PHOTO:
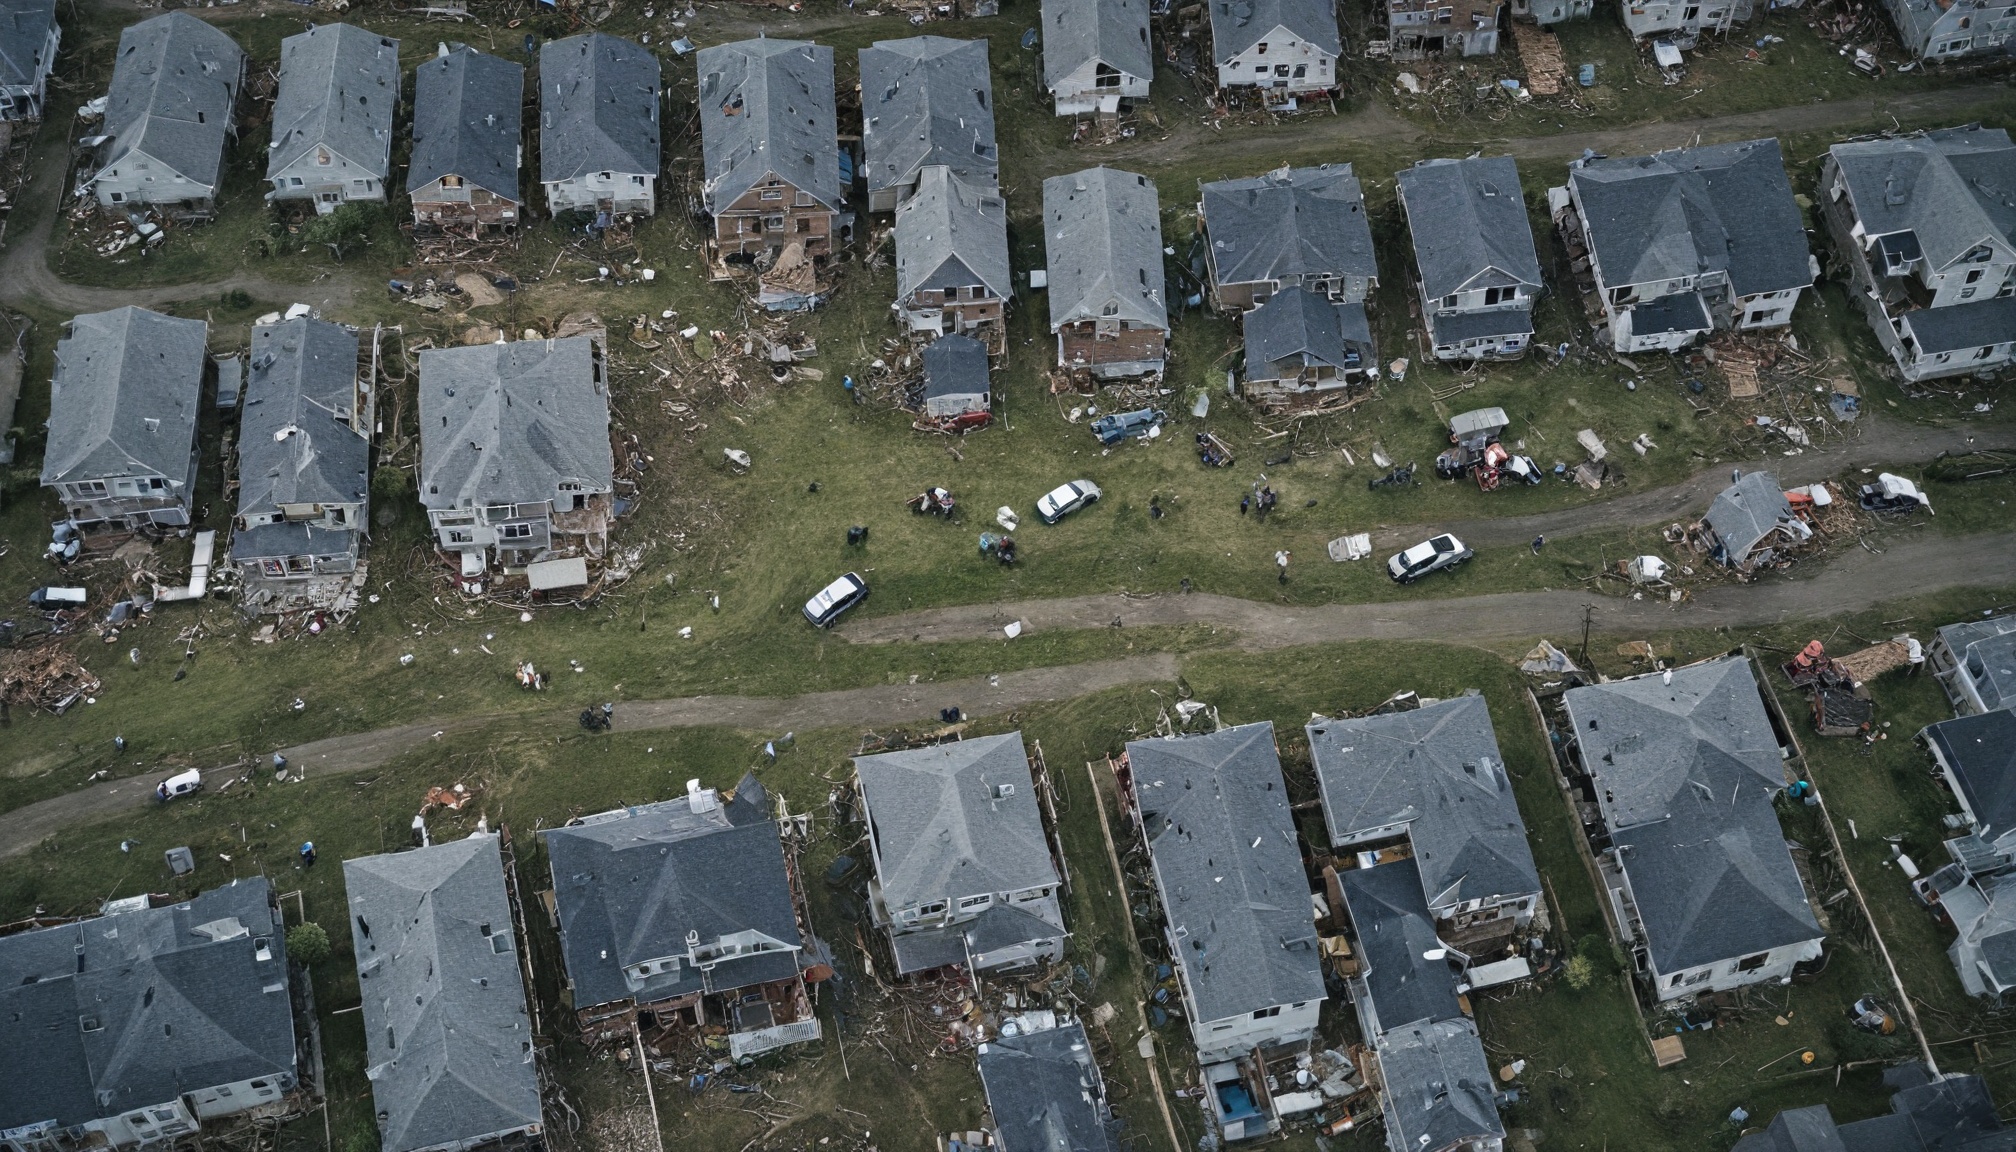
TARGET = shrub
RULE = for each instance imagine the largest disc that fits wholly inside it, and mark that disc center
(344, 230)
(308, 944)
(1579, 972)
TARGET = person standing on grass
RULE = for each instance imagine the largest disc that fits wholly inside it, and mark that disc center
(1245, 502)
(1281, 566)
(1539, 542)
(307, 853)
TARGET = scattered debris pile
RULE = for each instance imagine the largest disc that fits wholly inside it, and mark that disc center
(1837, 688)
(1540, 50)
(45, 677)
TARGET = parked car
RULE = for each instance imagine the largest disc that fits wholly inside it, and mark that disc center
(55, 597)
(1065, 499)
(1118, 426)
(180, 784)
(1431, 555)
(825, 608)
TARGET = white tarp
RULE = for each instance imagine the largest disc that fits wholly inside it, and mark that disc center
(1503, 972)
(1351, 547)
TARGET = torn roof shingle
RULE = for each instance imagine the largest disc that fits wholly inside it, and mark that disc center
(1044, 1091)
(1469, 225)
(955, 820)
(1687, 212)
(951, 234)
(1102, 236)
(1952, 189)
(449, 1042)
(598, 108)
(339, 86)
(766, 108)
(1438, 769)
(174, 84)
(1229, 868)
(927, 100)
(124, 396)
(1080, 32)
(1747, 512)
(509, 423)
(1237, 25)
(296, 445)
(468, 110)
(1291, 222)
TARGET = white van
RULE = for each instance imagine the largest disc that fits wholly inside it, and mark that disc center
(180, 784)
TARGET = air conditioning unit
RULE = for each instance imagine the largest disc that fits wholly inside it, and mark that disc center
(1003, 791)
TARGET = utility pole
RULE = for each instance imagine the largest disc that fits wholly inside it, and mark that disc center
(1587, 611)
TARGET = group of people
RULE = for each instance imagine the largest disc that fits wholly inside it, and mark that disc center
(1261, 502)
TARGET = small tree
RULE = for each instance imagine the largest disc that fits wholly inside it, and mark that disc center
(1579, 972)
(308, 944)
(344, 230)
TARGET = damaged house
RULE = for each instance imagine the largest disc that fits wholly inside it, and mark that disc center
(449, 1045)
(169, 116)
(965, 873)
(151, 1023)
(515, 460)
(1284, 48)
(955, 378)
(123, 401)
(332, 118)
(1291, 228)
(1422, 28)
(952, 271)
(304, 454)
(598, 125)
(1682, 767)
(1935, 1113)
(927, 102)
(1684, 18)
(1948, 30)
(1751, 523)
(468, 142)
(29, 36)
(1473, 248)
(771, 149)
(1976, 662)
(1304, 350)
(1235, 900)
(1096, 55)
(686, 914)
(1044, 1090)
(1102, 238)
(1976, 756)
(1432, 778)
(1686, 242)
(1926, 223)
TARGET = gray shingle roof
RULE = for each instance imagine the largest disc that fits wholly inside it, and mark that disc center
(1951, 1114)
(1469, 223)
(943, 828)
(1229, 868)
(1678, 312)
(1077, 32)
(293, 447)
(632, 887)
(1102, 237)
(24, 32)
(766, 106)
(1456, 327)
(1044, 1091)
(598, 108)
(507, 423)
(927, 100)
(1747, 511)
(142, 1007)
(1289, 222)
(955, 365)
(1237, 25)
(999, 926)
(1963, 327)
(449, 1042)
(1990, 643)
(951, 234)
(1437, 768)
(467, 121)
(174, 83)
(1687, 211)
(1395, 932)
(1952, 189)
(1438, 1086)
(1980, 750)
(126, 389)
(339, 86)
(1796, 1130)
(1304, 325)
(1684, 773)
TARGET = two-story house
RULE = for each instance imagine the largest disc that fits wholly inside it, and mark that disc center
(1096, 55)
(1976, 893)
(304, 457)
(123, 405)
(448, 1043)
(1291, 228)
(771, 149)
(686, 913)
(1433, 778)
(515, 459)
(1683, 242)
(145, 1024)
(1927, 229)
(1931, 30)
(598, 125)
(1698, 882)
(1102, 236)
(29, 37)
(1975, 660)
(1044, 1090)
(332, 118)
(952, 271)
(1419, 28)
(169, 114)
(1473, 248)
(468, 120)
(1305, 350)
(1682, 18)
(965, 873)
(1285, 48)
(926, 102)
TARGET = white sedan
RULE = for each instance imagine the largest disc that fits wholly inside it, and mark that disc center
(1065, 499)
(1431, 555)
